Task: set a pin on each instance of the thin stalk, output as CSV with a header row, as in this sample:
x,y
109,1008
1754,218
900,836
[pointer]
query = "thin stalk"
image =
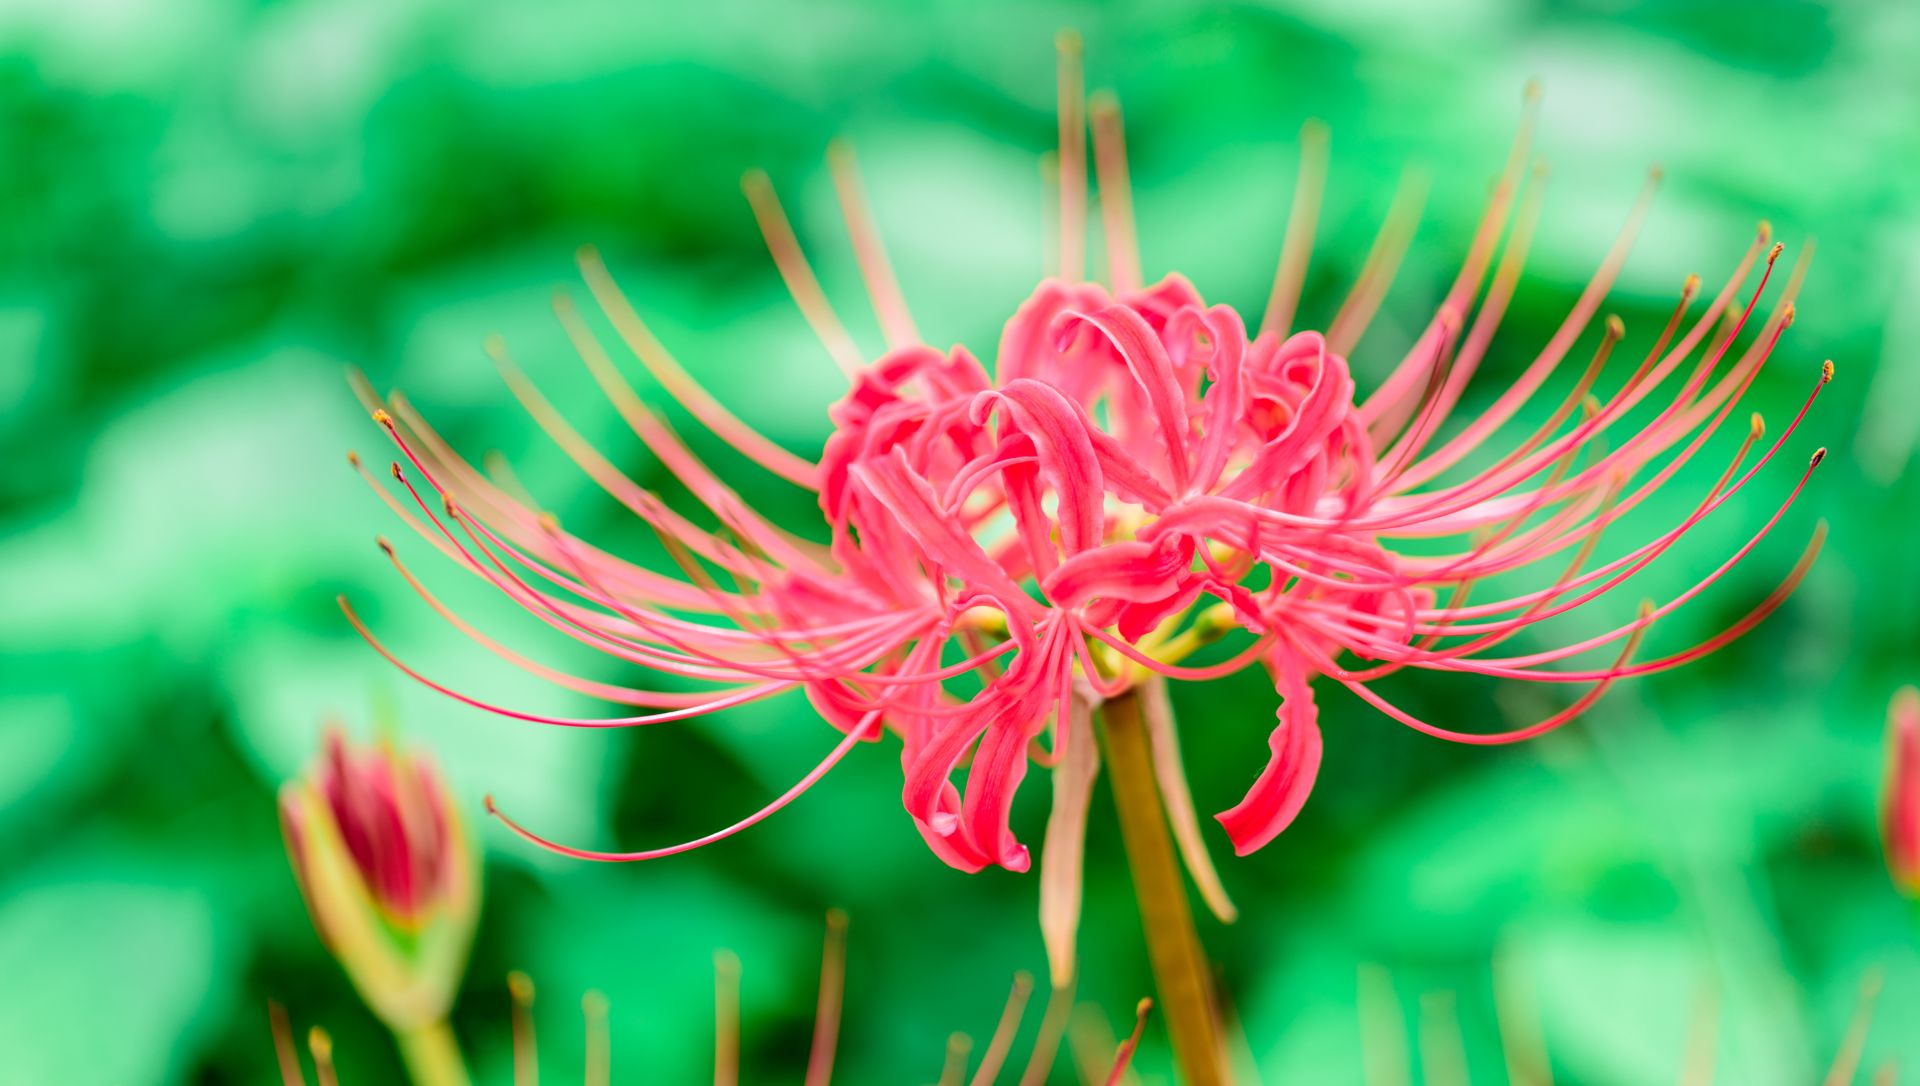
x,y
432,1055
1173,946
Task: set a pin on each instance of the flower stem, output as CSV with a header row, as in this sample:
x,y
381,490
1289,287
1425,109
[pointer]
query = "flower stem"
x,y
432,1055
1173,946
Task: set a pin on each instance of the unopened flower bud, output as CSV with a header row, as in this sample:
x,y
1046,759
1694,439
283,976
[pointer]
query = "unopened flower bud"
x,y
383,862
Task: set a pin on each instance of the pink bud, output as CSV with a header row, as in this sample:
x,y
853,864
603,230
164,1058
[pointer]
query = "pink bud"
x,y
382,862
1900,809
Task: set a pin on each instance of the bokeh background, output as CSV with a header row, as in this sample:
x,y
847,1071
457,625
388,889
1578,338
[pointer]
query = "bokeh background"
x,y
209,209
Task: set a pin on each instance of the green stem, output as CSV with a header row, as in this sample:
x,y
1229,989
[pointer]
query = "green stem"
x,y
432,1055
1173,946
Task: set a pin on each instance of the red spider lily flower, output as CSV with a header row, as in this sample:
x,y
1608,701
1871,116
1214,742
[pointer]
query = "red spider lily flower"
x,y
382,861
1136,474
1900,806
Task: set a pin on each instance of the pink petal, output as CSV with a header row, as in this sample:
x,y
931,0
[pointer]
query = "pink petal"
x,y
1283,786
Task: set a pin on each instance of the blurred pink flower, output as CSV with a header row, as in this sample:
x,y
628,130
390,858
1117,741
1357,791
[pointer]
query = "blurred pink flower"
x,y
1900,806
1137,474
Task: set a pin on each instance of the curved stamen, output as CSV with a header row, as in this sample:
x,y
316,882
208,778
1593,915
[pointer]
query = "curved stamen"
x,y
889,305
1297,246
794,270
679,384
1073,157
1116,195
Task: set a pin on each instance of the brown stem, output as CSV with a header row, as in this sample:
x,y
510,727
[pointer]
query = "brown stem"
x,y
1173,946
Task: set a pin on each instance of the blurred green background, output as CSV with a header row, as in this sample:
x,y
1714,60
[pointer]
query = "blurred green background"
x,y
208,209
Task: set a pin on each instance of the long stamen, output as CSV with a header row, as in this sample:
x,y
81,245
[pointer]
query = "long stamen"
x,y
1489,483
1124,1054
1003,1032
653,432
1555,349
826,1014
1703,1040
1050,215
865,729
1506,276
449,474
889,305
1046,1045
1383,1029
791,261
680,384
954,1067
526,1056
1391,393
1172,778
1490,666
1443,1056
1541,727
1522,1044
617,484
1116,194
726,1018
740,697
321,1046
605,691
1350,322
1073,157
598,1046
283,1050
725,669
1847,1061
1291,274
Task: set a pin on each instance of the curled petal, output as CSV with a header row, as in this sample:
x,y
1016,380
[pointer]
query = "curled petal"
x,y
1132,571
1283,786
1152,369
